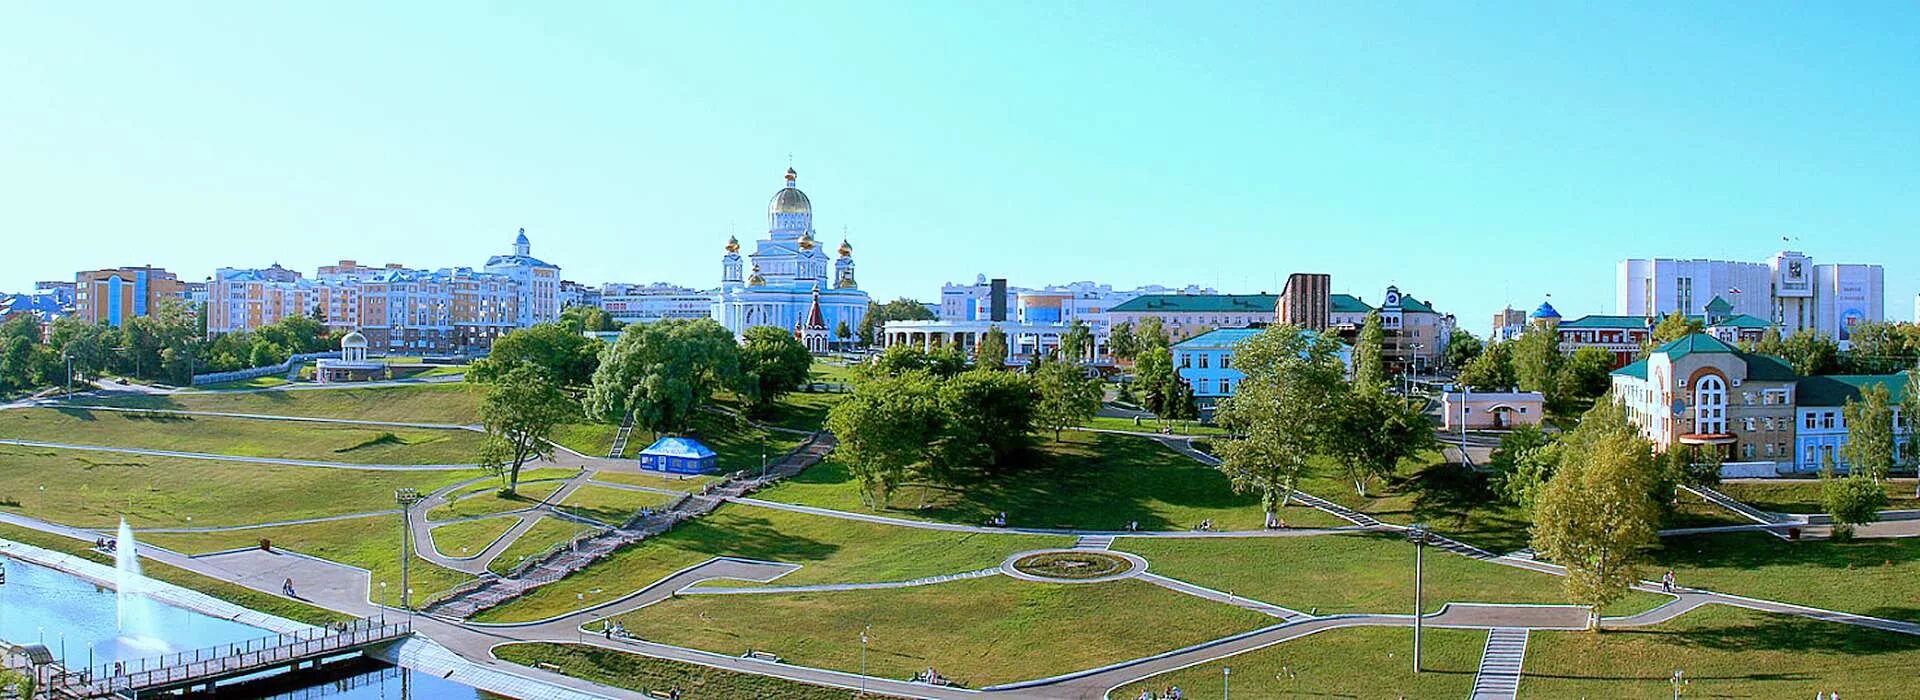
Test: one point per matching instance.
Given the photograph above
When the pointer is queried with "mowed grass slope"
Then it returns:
(1350, 662)
(978, 631)
(1357, 573)
(369, 543)
(243, 437)
(829, 550)
(453, 403)
(1879, 577)
(1726, 653)
(470, 537)
(649, 675)
(544, 535)
(1086, 481)
(1805, 495)
(96, 489)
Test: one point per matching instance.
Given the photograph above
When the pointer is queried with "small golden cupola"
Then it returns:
(756, 279)
(733, 244)
(806, 241)
(846, 249)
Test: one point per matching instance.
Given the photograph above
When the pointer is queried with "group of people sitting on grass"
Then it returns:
(998, 520)
(931, 677)
(105, 544)
(1171, 692)
(613, 628)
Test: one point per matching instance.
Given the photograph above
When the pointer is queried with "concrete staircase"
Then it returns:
(620, 438)
(1499, 676)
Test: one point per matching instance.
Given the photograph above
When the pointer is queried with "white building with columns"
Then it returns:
(776, 284)
(1025, 341)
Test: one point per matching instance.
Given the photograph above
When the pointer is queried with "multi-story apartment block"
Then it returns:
(241, 300)
(115, 296)
(538, 282)
(447, 310)
(1789, 291)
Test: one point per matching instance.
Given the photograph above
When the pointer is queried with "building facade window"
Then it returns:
(1710, 405)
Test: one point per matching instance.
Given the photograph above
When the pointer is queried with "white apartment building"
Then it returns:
(647, 303)
(1788, 290)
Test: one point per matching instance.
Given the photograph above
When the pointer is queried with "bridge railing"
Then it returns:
(229, 659)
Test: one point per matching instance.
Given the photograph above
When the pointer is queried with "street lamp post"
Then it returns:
(863, 659)
(1417, 532)
(1679, 679)
(406, 497)
(1226, 682)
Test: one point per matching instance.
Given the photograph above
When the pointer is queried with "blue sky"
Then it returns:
(1474, 154)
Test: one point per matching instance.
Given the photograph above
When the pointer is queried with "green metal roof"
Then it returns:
(1743, 322)
(1767, 368)
(1408, 303)
(1696, 342)
(1601, 321)
(1836, 389)
(1719, 305)
(1199, 303)
(1347, 304)
(1637, 370)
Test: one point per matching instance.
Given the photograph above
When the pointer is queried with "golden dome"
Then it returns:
(733, 244)
(806, 241)
(756, 279)
(845, 248)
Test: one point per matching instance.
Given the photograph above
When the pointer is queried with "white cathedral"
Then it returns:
(786, 282)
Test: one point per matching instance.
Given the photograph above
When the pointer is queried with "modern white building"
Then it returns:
(1083, 301)
(647, 303)
(1024, 340)
(1788, 290)
(775, 284)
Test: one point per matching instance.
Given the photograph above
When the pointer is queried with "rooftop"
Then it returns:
(1836, 389)
(1199, 303)
(672, 446)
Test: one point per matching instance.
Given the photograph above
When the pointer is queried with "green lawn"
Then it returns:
(611, 505)
(1726, 653)
(590, 439)
(271, 380)
(829, 550)
(96, 489)
(1349, 662)
(457, 403)
(1153, 425)
(484, 498)
(1693, 511)
(1087, 481)
(369, 543)
(1454, 501)
(544, 535)
(469, 537)
(655, 480)
(979, 631)
(230, 592)
(1803, 495)
(831, 373)
(645, 674)
(1358, 573)
(1878, 577)
(243, 437)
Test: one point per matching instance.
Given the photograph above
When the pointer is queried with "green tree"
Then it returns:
(1279, 414)
(1770, 343)
(1910, 412)
(520, 410)
(1672, 327)
(562, 353)
(1066, 395)
(586, 319)
(901, 359)
(1157, 380)
(1372, 432)
(1492, 370)
(16, 363)
(1585, 375)
(1121, 342)
(773, 363)
(1869, 448)
(1597, 514)
(1149, 334)
(1369, 367)
(1462, 347)
(878, 314)
(1854, 499)
(1536, 361)
(1880, 348)
(1522, 464)
(1076, 345)
(883, 431)
(989, 419)
(1811, 352)
(841, 333)
(991, 353)
(662, 372)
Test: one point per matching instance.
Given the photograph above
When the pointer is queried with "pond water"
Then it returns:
(77, 618)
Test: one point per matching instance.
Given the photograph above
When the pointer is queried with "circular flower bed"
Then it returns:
(1072, 566)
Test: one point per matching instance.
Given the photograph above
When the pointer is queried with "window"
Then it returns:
(1203, 361)
(1811, 423)
(1226, 361)
(1769, 450)
(1746, 397)
(1185, 361)
(1747, 450)
(1710, 405)
(1201, 386)
(1826, 420)
(1226, 385)
(1747, 424)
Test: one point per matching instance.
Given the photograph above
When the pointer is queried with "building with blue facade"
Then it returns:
(1205, 363)
(1821, 423)
(679, 455)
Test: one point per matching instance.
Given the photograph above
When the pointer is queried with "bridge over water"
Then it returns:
(202, 668)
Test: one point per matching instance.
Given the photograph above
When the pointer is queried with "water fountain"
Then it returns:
(133, 609)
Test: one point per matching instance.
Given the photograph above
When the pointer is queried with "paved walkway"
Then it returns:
(1499, 674)
(477, 563)
(257, 416)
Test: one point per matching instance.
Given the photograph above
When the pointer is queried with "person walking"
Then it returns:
(1666, 581)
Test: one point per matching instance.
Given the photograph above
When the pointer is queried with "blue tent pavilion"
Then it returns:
(679, 455)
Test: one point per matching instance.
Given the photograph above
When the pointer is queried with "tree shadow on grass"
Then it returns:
(1752, 550)
(751, 538)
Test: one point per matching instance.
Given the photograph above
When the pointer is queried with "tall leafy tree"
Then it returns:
(1869, 447)
(1374, 431)
(1155, 377)
(1522, 464)
(1369, 365)
(773, 363)
(1492, 370)
(1854, 499)
(1149, 334)
(1279, 414)
(662, 372)
(991, 353)
(1076, 345)
(584, 319)
(883, 431)
(1462, 347)
(1880, 348)
(1067, 396)
(1811, 352)
(1585, 375)
(1598, 515)
(841, 332)
(1672, 327)
(520, 410)
(1121, 342)
(878, 314)
(901, 359)
(988, 420)
(1536, 361)
(562, 353)
(1770, 342)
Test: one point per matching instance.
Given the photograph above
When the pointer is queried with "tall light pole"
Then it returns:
(1226, 682)
(1679, 679)
(406, 497)
(863, 659)
(1417, 532)
(68, 356)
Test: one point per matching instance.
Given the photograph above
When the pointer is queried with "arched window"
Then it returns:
(1710, 405)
